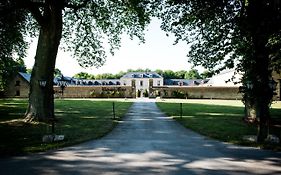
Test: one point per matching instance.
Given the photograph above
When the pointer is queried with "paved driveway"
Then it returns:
(147, 142)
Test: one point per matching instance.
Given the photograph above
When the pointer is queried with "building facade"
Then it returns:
(140, 84)
(142, 81)
(18, 86)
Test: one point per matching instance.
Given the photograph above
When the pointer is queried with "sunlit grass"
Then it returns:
(219, 119)
(78, 120)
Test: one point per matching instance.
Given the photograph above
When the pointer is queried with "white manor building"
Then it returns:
(142, 81)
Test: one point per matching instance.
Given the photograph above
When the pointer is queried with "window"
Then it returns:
(141, 83)
(17, 83)
(17, 93)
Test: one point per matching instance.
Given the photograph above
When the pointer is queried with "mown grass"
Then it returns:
(78, 120)
(221, 120)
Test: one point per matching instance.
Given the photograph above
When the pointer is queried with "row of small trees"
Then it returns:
(167, 74)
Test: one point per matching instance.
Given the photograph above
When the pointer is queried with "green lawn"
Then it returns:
(78, 120)
(219, 119)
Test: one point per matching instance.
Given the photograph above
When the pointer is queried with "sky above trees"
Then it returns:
(158, 52)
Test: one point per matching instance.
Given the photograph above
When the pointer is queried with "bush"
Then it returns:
(179, 94)
(138, 93)
(145, 94)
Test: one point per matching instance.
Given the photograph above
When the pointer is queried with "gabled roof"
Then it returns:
(142, 75)
(26, 76)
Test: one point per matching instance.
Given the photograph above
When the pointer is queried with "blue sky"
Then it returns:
(158, 52)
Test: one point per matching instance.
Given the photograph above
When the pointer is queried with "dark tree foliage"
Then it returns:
(83, 26)
(192, 74)
(207, 74)
(241, 34)
(12, 45)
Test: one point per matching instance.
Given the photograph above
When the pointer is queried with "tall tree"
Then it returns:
(83, 25)
(192, 74)
(207, 74)
(83, 75)
(168, 74)
(232, 33)
(180, 74)
(57, 72)
(12, 45)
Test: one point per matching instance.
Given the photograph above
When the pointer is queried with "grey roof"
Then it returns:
(185, 82)
(142, 75)
(75, 81)
(169, 82)
(26, 76)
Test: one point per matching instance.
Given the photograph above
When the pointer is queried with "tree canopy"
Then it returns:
(83, 26)
(241, 34)
(87, 25)
(221, 32)
(12, 44)
(166, 74)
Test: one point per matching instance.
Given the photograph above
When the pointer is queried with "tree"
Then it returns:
(12, 45)
(180, 74)
(119, 74)
(29, 71)
(159, 71)
(168, 74)
(82, 25)
(232, 33)
(192, 74)
(207, 74)
(57, 72)
(82, 75)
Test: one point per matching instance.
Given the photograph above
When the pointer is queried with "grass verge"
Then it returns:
(219, 119)
(78, 120)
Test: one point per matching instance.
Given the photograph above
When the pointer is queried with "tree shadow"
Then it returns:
(148, 143)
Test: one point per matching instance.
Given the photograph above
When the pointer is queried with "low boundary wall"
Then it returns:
(198, 92)
(95, 92)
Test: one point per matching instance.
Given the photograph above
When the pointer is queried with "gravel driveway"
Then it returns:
(148, 142)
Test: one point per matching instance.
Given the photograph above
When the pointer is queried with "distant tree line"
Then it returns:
(167, 74)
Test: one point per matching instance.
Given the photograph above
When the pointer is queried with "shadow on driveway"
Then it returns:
(148, 142)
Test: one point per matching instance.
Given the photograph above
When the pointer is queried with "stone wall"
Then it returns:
(95, 92)
(198, 92)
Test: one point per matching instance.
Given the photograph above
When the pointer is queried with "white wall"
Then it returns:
(145, 85)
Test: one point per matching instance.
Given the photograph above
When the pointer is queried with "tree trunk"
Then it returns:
(257, 69)
(41, 99)
(263, 92)
(250, 111)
